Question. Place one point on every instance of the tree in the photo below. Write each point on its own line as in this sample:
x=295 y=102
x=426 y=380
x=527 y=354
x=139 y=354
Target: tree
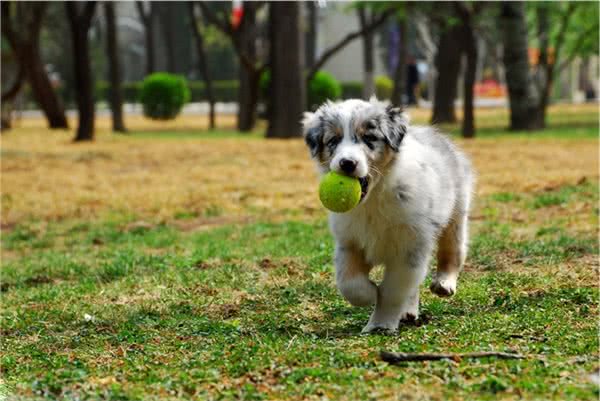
x=562 y=31
x=521 y=91
x=80 y=18
x=447 y=65
x=203 y=64
x=365 y=18
x=311 y=33
x=400 y=71
x=346 y=40
x=467 y=14
x=21 y=25
x=114 y=70
x=287 y=88
x=243 y=38
x=145 y=11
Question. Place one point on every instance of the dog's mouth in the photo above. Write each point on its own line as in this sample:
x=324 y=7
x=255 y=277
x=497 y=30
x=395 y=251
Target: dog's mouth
x=364 y=187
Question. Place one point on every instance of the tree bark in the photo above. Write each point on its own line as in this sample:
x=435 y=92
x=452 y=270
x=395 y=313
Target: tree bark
x=470 y=51
x=287 y=68
x=23 y=37
x=368 y=62
x=203 y=66
x=400 y=73
x=146 y=18
x=521 y=92
x=249 y=78
x=80 y=24
x=311 y=33
x=447 y=63
x=114 y=70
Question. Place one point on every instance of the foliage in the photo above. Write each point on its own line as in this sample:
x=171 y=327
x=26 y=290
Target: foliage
x=322 y=87
x=163 y=95
x=352 y=90
x=384 y=87
x=577 y=21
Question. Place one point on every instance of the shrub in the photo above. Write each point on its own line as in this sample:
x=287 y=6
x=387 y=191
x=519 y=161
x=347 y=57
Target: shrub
x=323 y=86
x=352 y=90
x=384 y=87
x=163 y=95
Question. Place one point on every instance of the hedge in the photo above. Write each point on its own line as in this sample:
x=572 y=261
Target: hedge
x=224 y=91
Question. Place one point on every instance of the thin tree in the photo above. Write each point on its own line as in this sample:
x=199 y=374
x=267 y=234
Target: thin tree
x=366 y=17
x=203 y=64
x=114 y=70
x=311 y=33
x=21 y=25
x=145 y=13
x=287 y=89
x=243 y=38
x=400 y=70
x=346 y=40
x=80 y=18
x=447 y=65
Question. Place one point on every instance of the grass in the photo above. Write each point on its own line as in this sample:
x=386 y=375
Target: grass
x=144 y=268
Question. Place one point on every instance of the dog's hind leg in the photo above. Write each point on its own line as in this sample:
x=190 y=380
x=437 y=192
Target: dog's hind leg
x=352 y=275
x=451 y=254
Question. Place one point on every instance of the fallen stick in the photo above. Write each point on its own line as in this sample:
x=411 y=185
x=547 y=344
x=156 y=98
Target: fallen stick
x=397 y=357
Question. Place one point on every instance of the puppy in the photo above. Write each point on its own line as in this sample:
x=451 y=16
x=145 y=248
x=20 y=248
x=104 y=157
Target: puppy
x=416 y=192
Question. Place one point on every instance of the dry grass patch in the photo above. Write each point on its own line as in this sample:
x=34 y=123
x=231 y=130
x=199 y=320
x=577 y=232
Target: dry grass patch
x=45 y=176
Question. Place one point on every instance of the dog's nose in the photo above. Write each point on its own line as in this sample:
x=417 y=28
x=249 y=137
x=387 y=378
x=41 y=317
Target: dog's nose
x=348 y=166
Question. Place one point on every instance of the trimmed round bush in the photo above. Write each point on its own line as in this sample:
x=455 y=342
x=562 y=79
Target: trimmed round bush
x=323 y=86
x=383 y=87
x=163 y=95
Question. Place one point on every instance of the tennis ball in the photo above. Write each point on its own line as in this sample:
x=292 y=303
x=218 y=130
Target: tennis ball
x=339 y=193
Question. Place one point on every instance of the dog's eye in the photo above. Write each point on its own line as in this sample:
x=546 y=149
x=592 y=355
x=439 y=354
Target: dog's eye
x=370 y=125
x=333 y=141
x=370 y=138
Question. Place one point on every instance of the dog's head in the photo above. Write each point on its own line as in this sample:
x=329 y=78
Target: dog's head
x=355 y=138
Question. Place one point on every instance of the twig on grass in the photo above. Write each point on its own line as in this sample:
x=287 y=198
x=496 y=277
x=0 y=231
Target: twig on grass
x=397 y=357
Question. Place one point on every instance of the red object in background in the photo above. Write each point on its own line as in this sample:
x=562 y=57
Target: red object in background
x=489 y=88
x=237 y=13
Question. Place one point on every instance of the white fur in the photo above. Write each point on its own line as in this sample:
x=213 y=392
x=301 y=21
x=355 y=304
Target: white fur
x=426 y=185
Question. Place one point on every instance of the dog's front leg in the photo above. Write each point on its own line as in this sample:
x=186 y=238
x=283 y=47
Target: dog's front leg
x=398 y=293
x=352 y=275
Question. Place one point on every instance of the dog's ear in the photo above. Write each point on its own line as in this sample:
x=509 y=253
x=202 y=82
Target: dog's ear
x=313 y=133
x=397 y=126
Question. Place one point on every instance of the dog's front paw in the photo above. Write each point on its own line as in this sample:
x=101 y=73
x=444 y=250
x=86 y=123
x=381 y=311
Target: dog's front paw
x=380 y=328
x=443 y=286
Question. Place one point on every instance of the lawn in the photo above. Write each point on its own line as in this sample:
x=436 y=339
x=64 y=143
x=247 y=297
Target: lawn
x=177 y=264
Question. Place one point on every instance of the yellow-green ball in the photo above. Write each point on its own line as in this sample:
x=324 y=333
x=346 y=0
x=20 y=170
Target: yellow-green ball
x=339 y=193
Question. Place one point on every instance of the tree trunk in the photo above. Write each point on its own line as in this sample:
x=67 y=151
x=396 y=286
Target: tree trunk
x=114 y=70
x=166 y=18
x=203 y=66
x=447 y=63
x=82 y=66
x=249 y=78
x=470 y=51
x=148 y=22
x=41 y=88
x=311 y=33
x=287 y=99
x=368 y=62
x=400 y=73
x=521 y=92
x=23 y=37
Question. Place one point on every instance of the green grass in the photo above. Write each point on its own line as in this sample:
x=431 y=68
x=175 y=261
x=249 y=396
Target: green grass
x=119 y=310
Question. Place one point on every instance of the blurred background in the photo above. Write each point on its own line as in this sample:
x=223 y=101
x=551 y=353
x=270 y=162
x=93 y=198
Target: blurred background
x=258 y=65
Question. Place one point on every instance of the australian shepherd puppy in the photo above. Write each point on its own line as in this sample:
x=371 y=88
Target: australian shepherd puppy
x=416 y=191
